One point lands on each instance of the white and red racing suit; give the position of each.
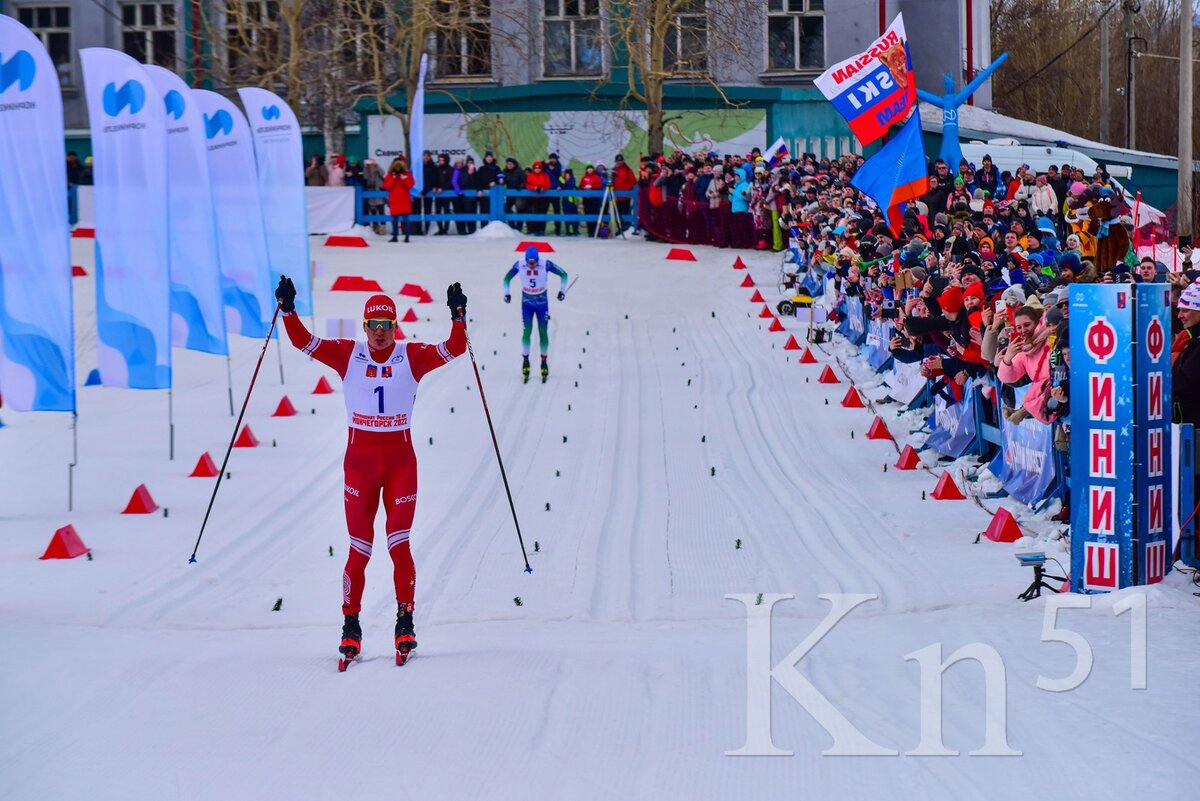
(380, 388)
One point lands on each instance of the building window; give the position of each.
(51, 24)
(686, 46)
(148, 32)
(464, 46)
(571, 35)
(251, 37)
(795, 35)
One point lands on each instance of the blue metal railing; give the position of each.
(497, 199)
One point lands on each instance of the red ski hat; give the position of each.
(951, 300)
(379, 307)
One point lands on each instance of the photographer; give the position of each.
(398, 183)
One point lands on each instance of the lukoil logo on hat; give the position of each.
(379, 307)
(20, 69)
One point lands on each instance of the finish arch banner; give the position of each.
(133, 299)
(197, 315)
(37, 336)
(279, 154)
(241, 238)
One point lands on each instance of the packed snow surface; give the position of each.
(673, 425)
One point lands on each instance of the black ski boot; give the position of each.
(545, 370)
(406, 640)
(351, 641)
(525, 368)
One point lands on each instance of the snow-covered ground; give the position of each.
(623, 673)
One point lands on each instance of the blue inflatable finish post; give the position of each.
(951, 153)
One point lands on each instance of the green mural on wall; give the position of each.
(581, 137)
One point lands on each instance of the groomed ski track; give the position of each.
(623, 671)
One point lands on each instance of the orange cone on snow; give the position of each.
(205, 467)
(409, 317)
(853, 400)
(140, 503)
(65, 544)
(1003, 527)
(879, 430)
(747, 282)
(757, 297)
(908, 459)
(285, 408)
(807, 357)
(828, 376)
(246, 439)
(322, 387)
(947, 490)
(681, 254)
(738, 264)
(791, 344)
(778, 326)
(399, 335)
(765, 313)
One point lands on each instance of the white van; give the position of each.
(1008, 154)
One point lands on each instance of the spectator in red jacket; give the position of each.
(538, 180)
(623, 180)
(399, 183)
(591, 205)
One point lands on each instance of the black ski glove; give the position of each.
(562, 296)
(457, 302)
(508, 298)
(286, 294)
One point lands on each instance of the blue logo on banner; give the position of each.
(19, 69)
(174, 103)
(270, 112)
(219, 123)
(131, 95)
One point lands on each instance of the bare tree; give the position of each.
(665, 40)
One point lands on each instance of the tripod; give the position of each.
(1034, 590)
(609, 214)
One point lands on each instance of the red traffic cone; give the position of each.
(828, 376)
(140, 503)
(807, 357)
(322, 387)
(1003, 527)
(246, 439)
(879, 430)
(757, 297)
(410, 316)
(205, 467)
(738, 264)
(747, 282)
(853, 400)
(285, 408)
(65, 544)
(791, 344)
(947, 490)
(399, 335)
(908, 459)
(778, 326)
(765, 313)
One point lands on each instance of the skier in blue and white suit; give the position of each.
(535, 276)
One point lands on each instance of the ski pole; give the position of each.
(496, 445)
(236, 426)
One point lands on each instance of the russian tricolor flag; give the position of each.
(776, 152)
